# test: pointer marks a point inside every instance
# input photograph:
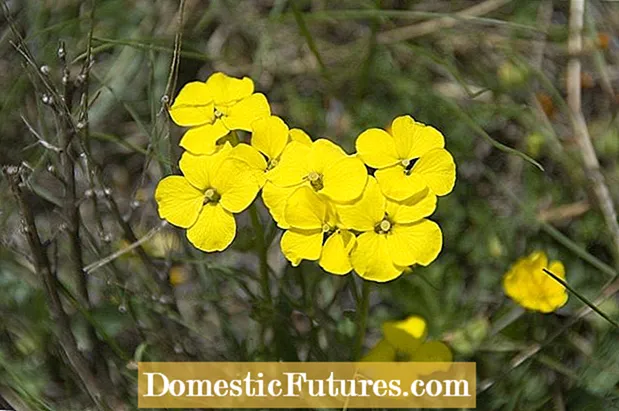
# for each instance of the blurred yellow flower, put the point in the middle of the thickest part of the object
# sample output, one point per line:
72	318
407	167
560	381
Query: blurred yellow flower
405	341
528	285
314	233
409	159
204	199
178	275
324	167
214	108
393	235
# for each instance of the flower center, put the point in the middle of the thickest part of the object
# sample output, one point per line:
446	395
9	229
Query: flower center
326	228
272	164
211	196
408	164
218	114
383	227
315	180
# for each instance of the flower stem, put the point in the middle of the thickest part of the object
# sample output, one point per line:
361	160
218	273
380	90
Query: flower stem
362	317
262	254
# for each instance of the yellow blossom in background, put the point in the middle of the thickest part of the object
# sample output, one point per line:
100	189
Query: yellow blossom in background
205	197
324	167
393	235
314	233
214	108
405	340
528	285
178	275
408	159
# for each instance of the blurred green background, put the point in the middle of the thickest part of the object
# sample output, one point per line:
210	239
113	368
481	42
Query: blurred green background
489	74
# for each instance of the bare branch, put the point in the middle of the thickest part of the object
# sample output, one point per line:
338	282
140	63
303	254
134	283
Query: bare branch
579	125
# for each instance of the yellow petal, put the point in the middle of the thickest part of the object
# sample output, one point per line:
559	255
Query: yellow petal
368	211
412	139
200	170
398	186
254	160
557	268
203	139
432	351
406	335
269	136
438	171
418	243
193	106
381	352
335	252
293	166
237	185
536	260
377	148
305	209
300	245
214	230
300	136
413	209
324	154
178	201
371	259
275	198
344	180
242	114
227	90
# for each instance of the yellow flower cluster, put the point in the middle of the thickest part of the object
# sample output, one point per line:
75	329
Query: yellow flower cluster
365	211
405	340
528	284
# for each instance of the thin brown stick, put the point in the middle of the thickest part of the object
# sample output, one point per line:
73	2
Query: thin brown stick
431	26
579	125
59	316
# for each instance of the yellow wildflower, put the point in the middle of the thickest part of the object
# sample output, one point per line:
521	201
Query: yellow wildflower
214	108
409	159
271	135
394	235
324	167
268	139
204	199
314	233
405	341
528	285
178	275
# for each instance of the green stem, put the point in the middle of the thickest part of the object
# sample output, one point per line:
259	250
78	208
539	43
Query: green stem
262	254
362	318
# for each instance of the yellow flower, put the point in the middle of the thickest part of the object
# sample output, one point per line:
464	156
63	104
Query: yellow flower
405	341
270	136
314	233
324	167
394	235
409	159
214	108
528	285
178	275
204	199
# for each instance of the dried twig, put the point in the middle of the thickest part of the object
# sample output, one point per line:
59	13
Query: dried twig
106	260
43	267
431	26
579	125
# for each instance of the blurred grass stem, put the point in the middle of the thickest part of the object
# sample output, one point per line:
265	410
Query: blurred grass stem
363	305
